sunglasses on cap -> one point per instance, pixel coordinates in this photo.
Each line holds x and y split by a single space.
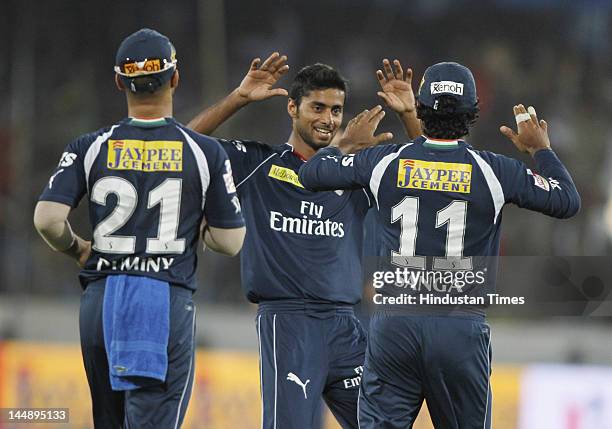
148 66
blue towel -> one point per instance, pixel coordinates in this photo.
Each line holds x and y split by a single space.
136 321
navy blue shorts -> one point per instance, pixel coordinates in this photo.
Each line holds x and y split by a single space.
441 359
306 355
158 406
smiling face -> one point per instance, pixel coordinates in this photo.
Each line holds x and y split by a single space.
318 116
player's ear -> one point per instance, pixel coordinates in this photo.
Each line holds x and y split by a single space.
174 80
119 83
292 108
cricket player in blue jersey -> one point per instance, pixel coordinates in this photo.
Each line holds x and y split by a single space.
438 197
153 187
301 261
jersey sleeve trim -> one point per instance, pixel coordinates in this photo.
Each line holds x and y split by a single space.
224 223
69 201
94 151
497 192
256 168
379 171
202 163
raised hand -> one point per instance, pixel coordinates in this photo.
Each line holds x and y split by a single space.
396 87
257 84
359 132
532 134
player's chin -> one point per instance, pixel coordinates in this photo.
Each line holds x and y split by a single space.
320 144
317 142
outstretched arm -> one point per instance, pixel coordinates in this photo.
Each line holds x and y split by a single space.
550 189
396 91
256 86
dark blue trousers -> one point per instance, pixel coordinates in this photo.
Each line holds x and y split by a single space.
443 360
307 354
158 406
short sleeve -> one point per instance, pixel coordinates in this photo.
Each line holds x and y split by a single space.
67 183
245 157
222 207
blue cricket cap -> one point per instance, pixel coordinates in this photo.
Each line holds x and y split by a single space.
448 79
145 53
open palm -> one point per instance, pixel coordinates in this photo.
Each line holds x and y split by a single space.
396 87
258 82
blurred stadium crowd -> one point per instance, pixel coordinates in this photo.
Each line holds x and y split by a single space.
58 83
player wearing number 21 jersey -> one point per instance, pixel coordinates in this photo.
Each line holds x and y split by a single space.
151 184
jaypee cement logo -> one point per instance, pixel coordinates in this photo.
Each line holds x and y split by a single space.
149 156
434 176
446 87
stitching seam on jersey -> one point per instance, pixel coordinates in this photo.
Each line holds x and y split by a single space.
495 188
89 159
367 196
256 168
384 164
201 162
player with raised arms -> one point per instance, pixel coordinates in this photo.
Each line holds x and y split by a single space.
301 261
439 205
153 187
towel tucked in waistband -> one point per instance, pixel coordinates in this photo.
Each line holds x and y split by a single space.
136 322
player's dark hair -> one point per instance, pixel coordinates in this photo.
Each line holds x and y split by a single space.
446 121
315 77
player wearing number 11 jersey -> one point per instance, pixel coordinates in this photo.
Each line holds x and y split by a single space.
438 197
151 184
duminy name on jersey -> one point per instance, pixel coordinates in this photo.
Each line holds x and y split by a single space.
142 155
434 176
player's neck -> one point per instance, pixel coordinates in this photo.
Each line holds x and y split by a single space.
149 110
300 146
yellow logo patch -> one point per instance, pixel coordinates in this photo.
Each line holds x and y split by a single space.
434 176
149 156
284 174
144 67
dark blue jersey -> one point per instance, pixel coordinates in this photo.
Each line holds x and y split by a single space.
149 184
299 244
443 202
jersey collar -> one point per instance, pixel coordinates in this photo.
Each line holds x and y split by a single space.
147 123
296 153
440 143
